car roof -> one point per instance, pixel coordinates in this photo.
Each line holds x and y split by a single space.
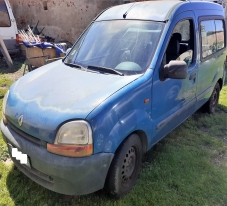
154 10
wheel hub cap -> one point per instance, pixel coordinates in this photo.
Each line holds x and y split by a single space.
128 165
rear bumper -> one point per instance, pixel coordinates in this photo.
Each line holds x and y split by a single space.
65 175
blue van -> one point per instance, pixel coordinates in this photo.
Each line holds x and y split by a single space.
138 71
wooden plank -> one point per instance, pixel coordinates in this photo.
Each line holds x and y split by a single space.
5 53
35 52
51 52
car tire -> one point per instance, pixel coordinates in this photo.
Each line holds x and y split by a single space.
212 103
125 167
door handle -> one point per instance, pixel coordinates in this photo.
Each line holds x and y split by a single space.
192 76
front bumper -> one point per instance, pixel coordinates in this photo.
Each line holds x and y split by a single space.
65 175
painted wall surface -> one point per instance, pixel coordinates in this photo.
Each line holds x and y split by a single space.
62 19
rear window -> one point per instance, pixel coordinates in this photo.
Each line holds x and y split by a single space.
4 16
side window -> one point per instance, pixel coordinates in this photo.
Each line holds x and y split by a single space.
4 16
208 36
183 27
220 34
212 36
181 44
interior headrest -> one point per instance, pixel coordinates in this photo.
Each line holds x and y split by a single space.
177 36
173 47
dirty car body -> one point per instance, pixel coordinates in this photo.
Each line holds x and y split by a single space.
75 118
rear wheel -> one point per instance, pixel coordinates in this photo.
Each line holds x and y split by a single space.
212 103
125 167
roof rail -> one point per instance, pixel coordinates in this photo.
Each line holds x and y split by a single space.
221 2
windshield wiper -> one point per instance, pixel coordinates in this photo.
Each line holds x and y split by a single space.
105 69
75 65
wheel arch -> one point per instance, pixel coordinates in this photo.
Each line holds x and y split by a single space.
220 81
143 138
116 172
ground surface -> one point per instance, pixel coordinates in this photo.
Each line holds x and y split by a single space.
188 167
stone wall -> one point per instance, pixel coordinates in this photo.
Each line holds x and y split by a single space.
62 19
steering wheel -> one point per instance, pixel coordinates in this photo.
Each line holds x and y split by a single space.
128 66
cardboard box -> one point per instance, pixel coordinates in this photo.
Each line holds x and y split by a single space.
36 56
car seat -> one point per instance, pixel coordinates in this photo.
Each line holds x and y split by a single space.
172 52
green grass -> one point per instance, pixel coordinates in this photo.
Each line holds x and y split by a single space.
188 167
4 85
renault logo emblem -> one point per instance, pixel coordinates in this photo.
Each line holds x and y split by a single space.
20 120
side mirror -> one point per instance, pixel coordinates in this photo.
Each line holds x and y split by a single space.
174 70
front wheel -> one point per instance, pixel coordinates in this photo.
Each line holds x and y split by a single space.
212 103
125 167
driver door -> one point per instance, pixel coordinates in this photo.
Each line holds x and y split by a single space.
173 99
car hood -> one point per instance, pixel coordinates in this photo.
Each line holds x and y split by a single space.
56 93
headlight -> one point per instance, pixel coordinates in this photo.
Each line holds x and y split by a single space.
73 139
4 107
76 132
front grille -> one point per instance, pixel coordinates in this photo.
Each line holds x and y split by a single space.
27 136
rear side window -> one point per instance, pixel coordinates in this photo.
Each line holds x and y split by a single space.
4 16
212 36
220 34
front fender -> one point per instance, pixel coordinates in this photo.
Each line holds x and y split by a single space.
133 121
122 114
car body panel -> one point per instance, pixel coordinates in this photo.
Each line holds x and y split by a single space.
155 11
173 99
122 114
33 95
209 74
60 173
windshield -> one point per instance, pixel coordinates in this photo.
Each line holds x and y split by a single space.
123 45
